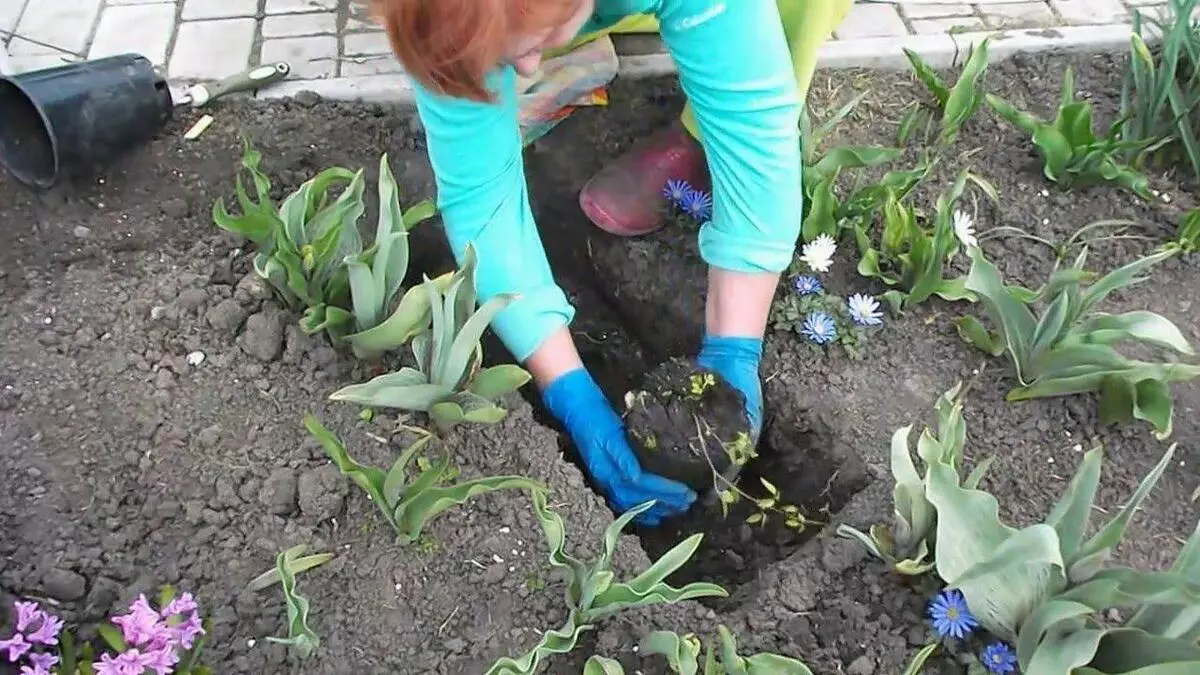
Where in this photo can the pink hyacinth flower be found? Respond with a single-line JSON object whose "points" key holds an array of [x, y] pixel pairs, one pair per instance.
{"points": [[162, 661], [187, 632], [140, 625], [40, 664], [28, 614], [130, 662], [16, 646], [181, 605], [47, 633]]}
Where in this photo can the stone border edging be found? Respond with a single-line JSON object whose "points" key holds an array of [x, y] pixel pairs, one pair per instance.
{"points": [[941, 51]]}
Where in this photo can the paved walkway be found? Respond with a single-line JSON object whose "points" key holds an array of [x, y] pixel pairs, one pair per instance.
{"points": [[335, 48]]}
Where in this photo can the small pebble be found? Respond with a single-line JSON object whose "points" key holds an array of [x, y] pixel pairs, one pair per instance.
{"points": [[195, 358]]}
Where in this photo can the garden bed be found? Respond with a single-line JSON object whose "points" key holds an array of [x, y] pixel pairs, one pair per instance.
{"points": [[126, 467]]}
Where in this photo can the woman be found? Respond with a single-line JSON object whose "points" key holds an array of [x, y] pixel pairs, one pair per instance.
{"points": [[744, 66]]}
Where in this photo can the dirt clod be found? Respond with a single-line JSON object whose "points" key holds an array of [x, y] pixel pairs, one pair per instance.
{"points": [[278, 492], [226, 316], [322, 492], [263, 338], [64, 584], [688, 424]]}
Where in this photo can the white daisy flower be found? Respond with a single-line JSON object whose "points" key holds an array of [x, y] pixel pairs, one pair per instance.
{"points": [[818, 253], [964, 229]]}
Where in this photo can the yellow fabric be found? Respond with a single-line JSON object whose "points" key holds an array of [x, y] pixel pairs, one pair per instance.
{"points": [[807, 24]]}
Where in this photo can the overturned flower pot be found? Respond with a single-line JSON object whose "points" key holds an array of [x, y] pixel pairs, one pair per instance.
{"points": [[687, 424]]}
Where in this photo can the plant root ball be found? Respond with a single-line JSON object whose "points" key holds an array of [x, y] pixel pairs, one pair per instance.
{"points": [[685, 422]]}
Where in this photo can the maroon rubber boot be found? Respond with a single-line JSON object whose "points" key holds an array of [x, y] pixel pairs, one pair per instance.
{"points": [[626, 197]]}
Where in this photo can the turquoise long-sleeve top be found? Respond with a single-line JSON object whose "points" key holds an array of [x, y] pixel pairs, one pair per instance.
{"points": [[736, 70]]}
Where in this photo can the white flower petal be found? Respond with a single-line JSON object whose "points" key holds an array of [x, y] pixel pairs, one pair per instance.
{"points": [[964, 229]]}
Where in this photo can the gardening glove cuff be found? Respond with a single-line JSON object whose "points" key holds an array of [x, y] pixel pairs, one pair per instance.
{"points": [[737, 359]]}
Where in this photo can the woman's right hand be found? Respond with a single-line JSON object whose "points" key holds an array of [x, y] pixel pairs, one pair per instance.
{"points": [[599, 436]]}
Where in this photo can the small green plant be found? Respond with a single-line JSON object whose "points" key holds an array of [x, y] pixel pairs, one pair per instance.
{"points": [[407, 505], [1161, 88], [1059, 345], [377, 273], [296, 562], [823, 210], [682, 653], [908, 543], [913, 258], [1045, 589], [449, 382], [790, 313], [957, 103], [1071, 152], [301, 638], [302, 243], [1188, 238], [592, 592]]}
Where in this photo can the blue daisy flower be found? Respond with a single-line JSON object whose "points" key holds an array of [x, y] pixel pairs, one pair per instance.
{"points": [[950, 616], [677, 191], [697, 204], [807, 285], [999, 658], [819, 327]]}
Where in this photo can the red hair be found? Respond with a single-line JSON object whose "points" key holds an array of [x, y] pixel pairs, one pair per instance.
{"points": [[450, 46]]}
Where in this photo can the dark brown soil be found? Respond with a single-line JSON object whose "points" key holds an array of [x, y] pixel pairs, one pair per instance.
{"points": [[687, 424], [125, 467]]}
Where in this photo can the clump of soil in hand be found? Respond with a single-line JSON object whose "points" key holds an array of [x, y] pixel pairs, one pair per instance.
{"points": [[686, 422]]}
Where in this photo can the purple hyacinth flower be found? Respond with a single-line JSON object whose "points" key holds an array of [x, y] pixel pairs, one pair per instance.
{"points": [[162, 660], [16, 646], [186, 633], [181, 605], [47, 632], [28, 614], [140, 625], [129, 662], [40, 664]]}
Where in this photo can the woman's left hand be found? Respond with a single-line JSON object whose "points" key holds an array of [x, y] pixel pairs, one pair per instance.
{"points": [[737, 359]]}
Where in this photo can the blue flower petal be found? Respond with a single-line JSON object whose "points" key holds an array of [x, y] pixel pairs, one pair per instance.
{"points": [[950, 615], [677, 191], [807, 285], [819, 327], [999, 659]]}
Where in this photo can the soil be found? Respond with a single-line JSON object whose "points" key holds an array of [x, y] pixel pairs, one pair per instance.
{"points": [[687, 424], [126, 467]]}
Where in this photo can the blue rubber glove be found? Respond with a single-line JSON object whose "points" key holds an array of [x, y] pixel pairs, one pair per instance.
{"points": [[599, 435], [736, 359]]}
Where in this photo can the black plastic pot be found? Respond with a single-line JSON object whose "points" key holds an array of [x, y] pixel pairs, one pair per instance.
{"points": [[67, 120]]}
